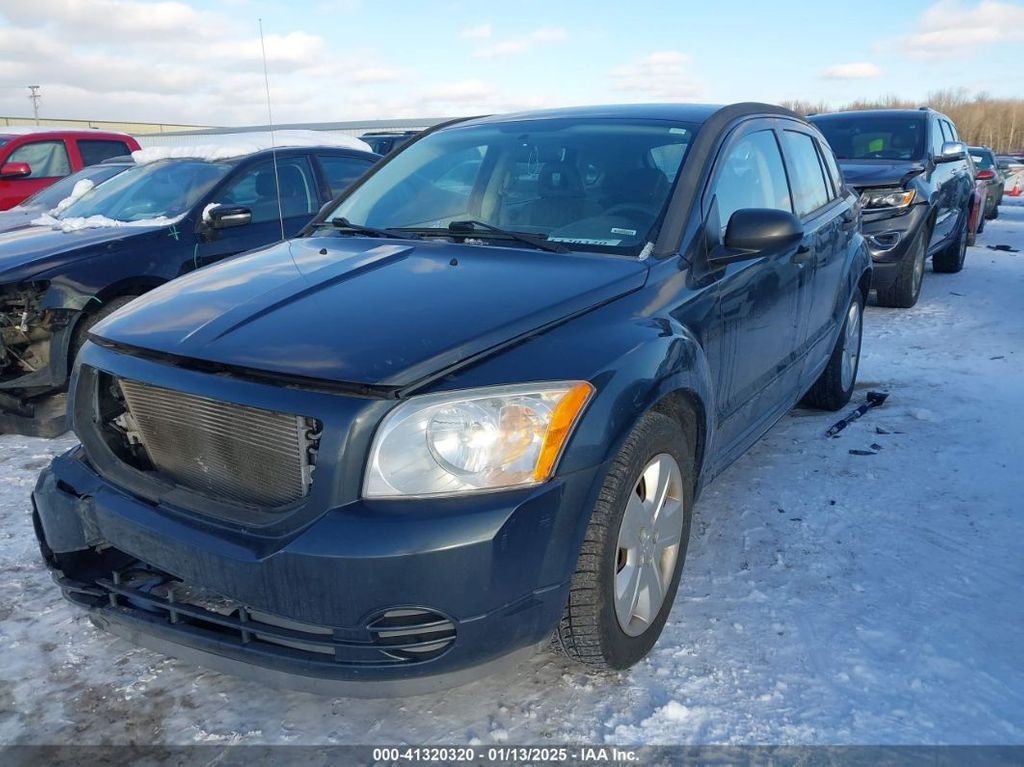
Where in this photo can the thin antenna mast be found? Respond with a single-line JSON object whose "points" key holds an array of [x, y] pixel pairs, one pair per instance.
{"points": [[270, 123]]}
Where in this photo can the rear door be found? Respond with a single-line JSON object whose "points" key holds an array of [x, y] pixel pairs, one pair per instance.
{"points": [[48, 159], [755, 339], [255, 187], [817, 204]]}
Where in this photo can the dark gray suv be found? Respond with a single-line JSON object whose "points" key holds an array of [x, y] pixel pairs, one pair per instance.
{"points": [[915, 183]]}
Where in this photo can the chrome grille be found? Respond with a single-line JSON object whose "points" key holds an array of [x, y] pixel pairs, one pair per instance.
{"points": [[243, 454]]}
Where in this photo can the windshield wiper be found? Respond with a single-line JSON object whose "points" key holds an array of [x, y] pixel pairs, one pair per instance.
{"points": [[347, 226], [471, 227]]}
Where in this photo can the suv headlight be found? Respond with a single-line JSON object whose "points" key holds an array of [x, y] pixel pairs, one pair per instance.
{"points": [[474, 440], [887, 198]]}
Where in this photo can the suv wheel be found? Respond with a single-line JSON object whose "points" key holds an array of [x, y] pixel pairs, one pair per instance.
{"points": [[906, 288], [834, 386], [950, 259], [633, 552]]}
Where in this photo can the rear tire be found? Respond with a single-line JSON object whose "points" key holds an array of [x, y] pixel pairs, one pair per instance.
{"points": [[906, 288], [834, 386], [950, 259], [633, 551]]}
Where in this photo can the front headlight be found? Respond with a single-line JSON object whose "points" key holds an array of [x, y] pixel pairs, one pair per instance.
{"points": [[474, 440], [886, 198]]}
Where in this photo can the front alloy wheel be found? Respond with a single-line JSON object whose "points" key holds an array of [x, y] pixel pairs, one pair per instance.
{"points": [[648, 546], [633, 552]]}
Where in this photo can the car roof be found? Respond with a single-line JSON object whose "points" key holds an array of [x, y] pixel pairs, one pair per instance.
{"points": [[180, 154], [921, 113], [690, 113], [17, 131]]}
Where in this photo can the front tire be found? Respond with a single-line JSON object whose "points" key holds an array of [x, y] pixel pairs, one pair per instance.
{"points": [[834, 386], [906, 288], [950, 259], [634, 549], [86, 323]]}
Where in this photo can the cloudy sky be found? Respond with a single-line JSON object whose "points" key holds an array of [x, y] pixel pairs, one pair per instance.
{"points": [[199, 62]]}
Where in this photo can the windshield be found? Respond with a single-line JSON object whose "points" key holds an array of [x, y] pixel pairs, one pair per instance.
{"points": [[49, 197], [164, 189], [586, 184], [983, 158], [866, 137]]}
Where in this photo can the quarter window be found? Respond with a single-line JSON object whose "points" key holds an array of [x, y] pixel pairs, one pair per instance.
{"points": [[832, 167], [752, 176], [937, 138], [47, 159], [810, 190]]}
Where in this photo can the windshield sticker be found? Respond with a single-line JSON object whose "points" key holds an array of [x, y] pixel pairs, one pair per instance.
{"points": [[584, 241], [627, 232]]}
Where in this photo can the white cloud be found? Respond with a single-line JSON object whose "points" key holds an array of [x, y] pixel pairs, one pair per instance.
{"points": [[167, 62], [481, 32], [951, 29], [517, 45], [500, 49], [659, 76], [549, 35], [858, 70]]}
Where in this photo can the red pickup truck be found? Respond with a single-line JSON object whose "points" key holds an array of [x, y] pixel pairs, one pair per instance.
{"points": [[33, 158]]}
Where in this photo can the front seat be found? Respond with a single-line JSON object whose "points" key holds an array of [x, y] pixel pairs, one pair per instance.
{"points": [[560, 197], [643, 187]]}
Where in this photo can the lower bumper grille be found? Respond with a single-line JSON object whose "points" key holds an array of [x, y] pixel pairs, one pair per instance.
{"points": [[242, 454], [398, 637]]}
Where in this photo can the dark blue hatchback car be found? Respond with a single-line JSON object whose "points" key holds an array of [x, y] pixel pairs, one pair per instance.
{"points": [[469, 409]]}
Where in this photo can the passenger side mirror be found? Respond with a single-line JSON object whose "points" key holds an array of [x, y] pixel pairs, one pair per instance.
{"points": [[15, 170], [952, 150], [227, 216], [753, 232]]}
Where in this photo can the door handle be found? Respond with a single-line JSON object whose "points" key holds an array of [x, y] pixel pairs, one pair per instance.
{"points": [[802, 256]]}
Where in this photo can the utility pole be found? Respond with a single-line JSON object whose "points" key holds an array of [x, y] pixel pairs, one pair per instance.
{"points": [[34, 97]]}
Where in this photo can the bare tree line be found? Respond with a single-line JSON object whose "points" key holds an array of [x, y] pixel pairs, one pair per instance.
{"points": [[980, 119]]}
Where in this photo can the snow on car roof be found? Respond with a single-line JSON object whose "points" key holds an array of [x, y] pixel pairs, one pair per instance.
{"points": [[227, 146]]}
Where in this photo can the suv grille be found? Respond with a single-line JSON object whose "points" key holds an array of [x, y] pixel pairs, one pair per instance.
{"points": [[238, 453]]}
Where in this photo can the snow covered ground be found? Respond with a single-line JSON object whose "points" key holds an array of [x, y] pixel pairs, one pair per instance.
{"points": [[828, 597]]}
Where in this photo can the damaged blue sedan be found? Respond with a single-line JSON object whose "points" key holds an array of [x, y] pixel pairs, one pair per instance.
{"points": [[469, 410]]}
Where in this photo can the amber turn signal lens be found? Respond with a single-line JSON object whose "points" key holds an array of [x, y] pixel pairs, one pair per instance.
{"points": [[563, 418]]}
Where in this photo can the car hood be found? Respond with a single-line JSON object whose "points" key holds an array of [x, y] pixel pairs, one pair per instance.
{"points": [[29, 251], [16, 217], [367, 311], [868, 173]]}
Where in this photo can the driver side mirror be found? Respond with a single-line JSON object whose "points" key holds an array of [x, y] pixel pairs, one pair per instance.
{"points": [[227, 216], [754, 232], [15, 170], [952, 150]]}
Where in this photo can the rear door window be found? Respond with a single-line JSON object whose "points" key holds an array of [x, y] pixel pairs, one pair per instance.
{"points": [[810, 190], [95, 151], [47, 159], [341, 171]]}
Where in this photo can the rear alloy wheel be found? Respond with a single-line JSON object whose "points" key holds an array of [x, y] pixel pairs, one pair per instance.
{"points": [[906, 288], [633, 553], [950, 259], [834, 386]]}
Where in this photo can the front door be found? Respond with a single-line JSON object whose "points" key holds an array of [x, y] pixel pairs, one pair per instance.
{"points": [[256, 188]]}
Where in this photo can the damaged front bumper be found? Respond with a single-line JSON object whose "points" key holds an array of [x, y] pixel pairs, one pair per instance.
{"points": [[370, 600], [34, 346]]}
